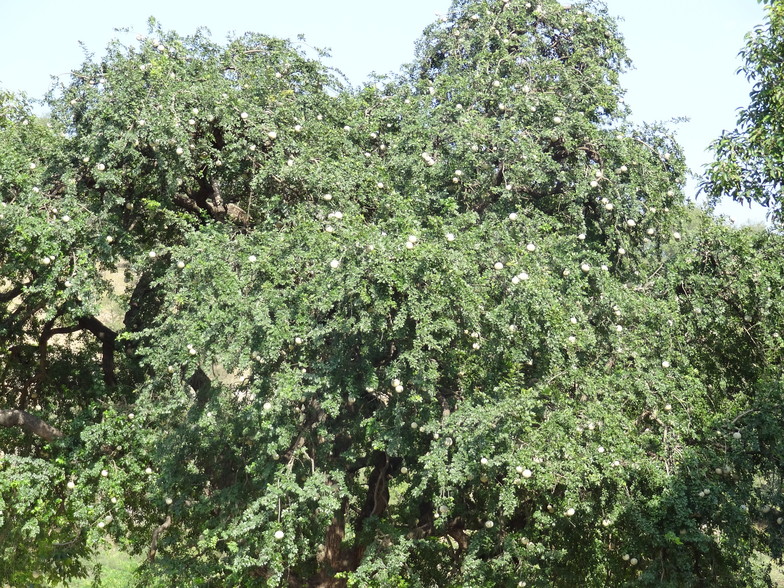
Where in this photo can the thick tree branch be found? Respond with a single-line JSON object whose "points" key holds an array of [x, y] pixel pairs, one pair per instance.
{"points": [[30, 423], [9, 295], [155, 535], [108, 338]]}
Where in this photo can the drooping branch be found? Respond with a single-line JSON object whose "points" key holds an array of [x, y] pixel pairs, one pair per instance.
{"points": [[30, 423]]}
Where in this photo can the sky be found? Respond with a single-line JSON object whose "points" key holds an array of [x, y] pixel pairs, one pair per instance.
{"points": [[684, 51]]}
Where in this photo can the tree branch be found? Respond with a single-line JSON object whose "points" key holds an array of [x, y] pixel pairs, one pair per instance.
{"points": [[107, 338], [155, 535], [9, 295], [30, 423]]}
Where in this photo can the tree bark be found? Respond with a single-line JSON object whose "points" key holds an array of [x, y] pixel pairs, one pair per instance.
{"points": [[155, 535], [334, 558], [30, 423]]}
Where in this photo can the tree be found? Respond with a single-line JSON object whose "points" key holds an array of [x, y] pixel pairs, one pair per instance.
{"points": [[749, 159], [454, 328]]}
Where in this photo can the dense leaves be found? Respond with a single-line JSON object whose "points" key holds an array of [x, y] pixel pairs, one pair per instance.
{"points": [[454, 328]]}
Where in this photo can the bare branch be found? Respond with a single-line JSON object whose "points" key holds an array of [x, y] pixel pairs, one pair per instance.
{"points": [[30, 423], [107, 337], [155, 535]]}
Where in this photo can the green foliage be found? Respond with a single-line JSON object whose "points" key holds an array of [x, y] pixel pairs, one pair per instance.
{"points": [[749, 159], [456, 328]]}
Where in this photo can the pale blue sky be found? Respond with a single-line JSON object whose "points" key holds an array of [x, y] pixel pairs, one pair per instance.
{"points": [[685, 51]]}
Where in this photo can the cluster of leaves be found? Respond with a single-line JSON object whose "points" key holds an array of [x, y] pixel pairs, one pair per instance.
{"points": [[453, 328], [749, 161]]}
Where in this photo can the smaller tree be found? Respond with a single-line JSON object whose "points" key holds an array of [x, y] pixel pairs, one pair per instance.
{"points": [[749, 163]]}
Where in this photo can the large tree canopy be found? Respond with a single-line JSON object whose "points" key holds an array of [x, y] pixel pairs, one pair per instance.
{"points": [[454, 328]]}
